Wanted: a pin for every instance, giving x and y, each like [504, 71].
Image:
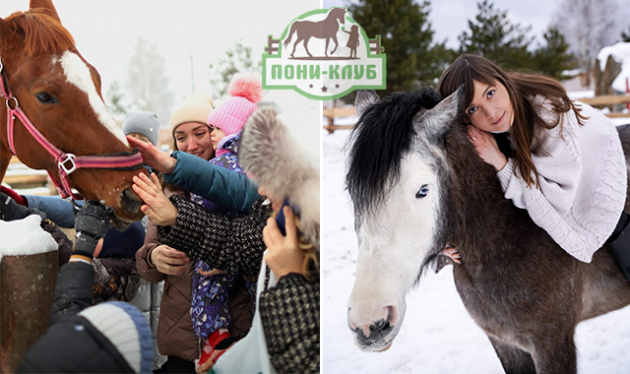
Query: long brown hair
[522, 88]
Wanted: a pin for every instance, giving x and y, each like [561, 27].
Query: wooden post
[331, 125]
[27, 288]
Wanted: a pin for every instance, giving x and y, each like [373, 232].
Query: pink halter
[67, 162]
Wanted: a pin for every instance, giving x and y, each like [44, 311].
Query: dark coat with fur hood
[289, 311]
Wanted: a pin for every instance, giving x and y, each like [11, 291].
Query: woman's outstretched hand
[153, 157]
[284, 254]
[487, 147]
[156, 205]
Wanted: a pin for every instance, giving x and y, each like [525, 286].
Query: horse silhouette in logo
[326, 29]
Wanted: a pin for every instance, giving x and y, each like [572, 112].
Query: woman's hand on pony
[156, 205]
[168, 260]
[153, 157]
[487, 147]
[283, 254]
[453, 253]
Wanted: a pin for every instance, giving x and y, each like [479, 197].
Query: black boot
[619, 244]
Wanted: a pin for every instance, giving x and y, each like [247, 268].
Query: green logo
[324, 54]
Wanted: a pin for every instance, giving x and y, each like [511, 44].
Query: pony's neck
[476, 206]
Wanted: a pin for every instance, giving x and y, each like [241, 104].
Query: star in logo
[324, 89]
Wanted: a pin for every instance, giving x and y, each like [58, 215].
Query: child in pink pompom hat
[209, 310]
[228, 119]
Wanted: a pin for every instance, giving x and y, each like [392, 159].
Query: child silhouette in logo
[353, 40]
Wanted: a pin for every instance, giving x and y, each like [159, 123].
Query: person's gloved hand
[91, 224]
[10, 210]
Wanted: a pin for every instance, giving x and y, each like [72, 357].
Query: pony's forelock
[385, 129]
[43, 33]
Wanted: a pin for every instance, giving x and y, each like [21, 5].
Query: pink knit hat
[246, 92]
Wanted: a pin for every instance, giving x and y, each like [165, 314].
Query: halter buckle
[69, 158]
[15, 100]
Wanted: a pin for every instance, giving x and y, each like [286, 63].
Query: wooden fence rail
[19, 178]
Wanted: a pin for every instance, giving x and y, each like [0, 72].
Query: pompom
[248, 86]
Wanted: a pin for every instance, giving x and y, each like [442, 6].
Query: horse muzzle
[129, 203]
[374, 331]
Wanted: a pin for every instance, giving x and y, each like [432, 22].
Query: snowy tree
[494, 37]
[236, 60]
[588, 26]
[148, 83]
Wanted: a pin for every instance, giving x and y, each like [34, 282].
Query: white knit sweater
[582, 176]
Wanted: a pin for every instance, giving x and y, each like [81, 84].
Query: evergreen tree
[625, 37]
[115, 98]
[407, 38]
[553, 58]
[494, 37]
[237, 59]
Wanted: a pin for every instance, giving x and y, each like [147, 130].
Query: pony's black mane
[382, 135]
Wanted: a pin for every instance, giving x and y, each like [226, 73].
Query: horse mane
[43, 33]
[382, 135]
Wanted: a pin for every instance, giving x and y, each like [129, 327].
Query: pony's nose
[130, 202]
[375, 324]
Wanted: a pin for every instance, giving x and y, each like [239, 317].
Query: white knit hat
[195, 108]
[127, 329]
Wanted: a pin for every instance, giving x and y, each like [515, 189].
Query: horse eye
[423, 192]
[46, 98]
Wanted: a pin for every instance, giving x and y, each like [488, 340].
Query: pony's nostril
[130, 202]
[392, 315]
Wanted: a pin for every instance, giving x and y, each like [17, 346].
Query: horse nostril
[392, 314]
[130, 202]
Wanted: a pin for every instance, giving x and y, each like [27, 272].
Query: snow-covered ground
[438, 335]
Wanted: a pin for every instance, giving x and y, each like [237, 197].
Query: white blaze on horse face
[392, 246]
[78, 73]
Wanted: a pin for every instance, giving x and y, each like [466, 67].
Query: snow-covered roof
[620, 52]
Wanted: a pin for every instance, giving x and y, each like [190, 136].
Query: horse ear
[437, 120]
[45, 4]
[364, 99]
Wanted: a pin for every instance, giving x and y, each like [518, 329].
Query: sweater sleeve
[231, 191]
[290, 318]
[224, 241]
[558, 161]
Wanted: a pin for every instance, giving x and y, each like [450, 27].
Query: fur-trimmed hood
[269, 154]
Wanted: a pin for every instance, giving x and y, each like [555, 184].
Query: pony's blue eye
[46, 98]
[423, 192]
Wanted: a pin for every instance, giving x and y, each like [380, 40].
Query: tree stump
[27, 288]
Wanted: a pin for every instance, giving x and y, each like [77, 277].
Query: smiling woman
[563, 162]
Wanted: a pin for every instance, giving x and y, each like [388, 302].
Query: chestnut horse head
[51, 87]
